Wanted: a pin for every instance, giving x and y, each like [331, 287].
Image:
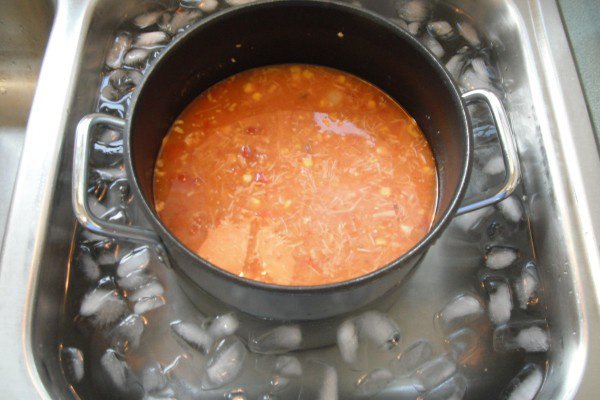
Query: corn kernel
[371, 104]
[254, 202]
[160, 206]
[287, 203]
[248, 88]
[307, 162]
[257, 96]
[385, 191]
[341, 79]
[247, 178]
[177, 129]
[295, 69]
[380, 242]
[307, 74]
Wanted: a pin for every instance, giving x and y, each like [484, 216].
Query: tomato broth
[296, 175]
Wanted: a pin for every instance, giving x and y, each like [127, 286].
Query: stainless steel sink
[24, 30]
[559, 157]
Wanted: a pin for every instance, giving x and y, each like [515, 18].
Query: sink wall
[24, 30]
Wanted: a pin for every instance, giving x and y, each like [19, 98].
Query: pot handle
[79, 184]
[507, 143]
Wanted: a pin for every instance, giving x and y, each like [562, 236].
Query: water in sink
[129, 332]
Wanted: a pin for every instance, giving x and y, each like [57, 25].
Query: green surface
[582, 20]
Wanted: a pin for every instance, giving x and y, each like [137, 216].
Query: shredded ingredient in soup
[296, 175]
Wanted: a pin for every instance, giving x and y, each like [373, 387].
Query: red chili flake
[260, 177]
[253, 130]
[246, 151]
[182, 178]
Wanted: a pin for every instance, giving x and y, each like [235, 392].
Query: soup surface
[296, 175]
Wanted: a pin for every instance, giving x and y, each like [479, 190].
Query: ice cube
[511, 209]
[114, 58]
[526, 287]
[150, 40]
[151, 289]
[532, 339]
[193, 335]
[494, 166]
[441, 29]
[107, 154]
[277, 383]
[347, 339]
[413, 10]
[71, 359]
[135, 261]
[115, 368]
[109, 174]
[467, 31]
[124, 80]
[88, 266]
[500, 304]
[378, 327]
[413, 28]
[329, 386]
[153, 378]
[433, 373]
[461, 310]
[134, 280]
[415, 355]
[481, 69]
[455, 65]
[374, 382]
[499, 257]
[225, 364]
[179, 21]
[453, 389]
[223, 325]
[127, 333]
[146, 304]
[148, 19]
[462, 343]
[434, 46]
[288, 366]
[279, 340]
[207, 6]
[472, 220]
[104, 305]
[471, 80]
[236, 394]
[239, 2]
[136, 57]
[525, 385]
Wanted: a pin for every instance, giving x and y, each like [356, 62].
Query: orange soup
[296, 175]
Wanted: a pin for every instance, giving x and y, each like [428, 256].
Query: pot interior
[307, 32]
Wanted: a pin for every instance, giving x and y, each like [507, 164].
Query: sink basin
[24, 31]
[543, 99]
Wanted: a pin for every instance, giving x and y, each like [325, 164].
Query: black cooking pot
[309, 32]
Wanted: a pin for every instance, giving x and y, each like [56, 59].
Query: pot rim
[421, 246]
